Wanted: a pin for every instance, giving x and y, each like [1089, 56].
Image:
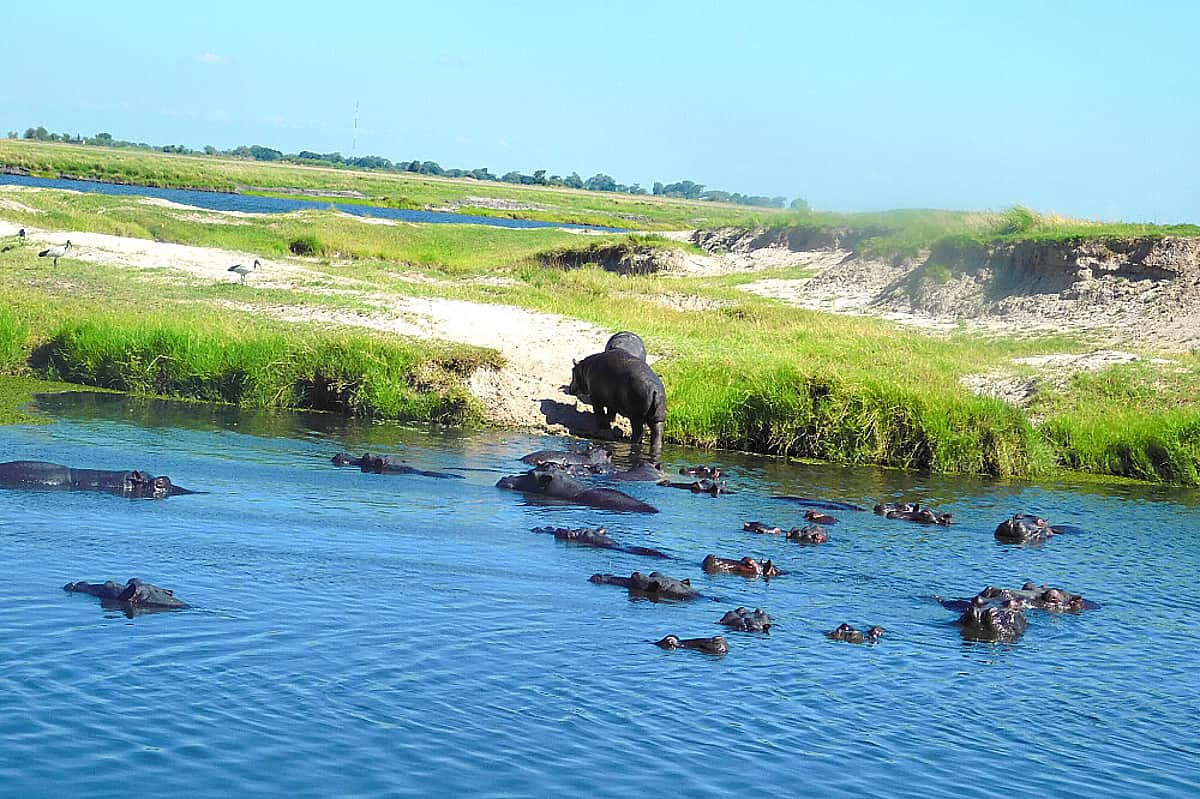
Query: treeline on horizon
[684, 189]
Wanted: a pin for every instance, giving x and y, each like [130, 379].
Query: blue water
[370, 635]
[224, 201]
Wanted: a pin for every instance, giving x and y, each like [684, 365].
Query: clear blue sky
[1082, 108]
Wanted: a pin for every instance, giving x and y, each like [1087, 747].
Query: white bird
[55, 252]
[244, 270]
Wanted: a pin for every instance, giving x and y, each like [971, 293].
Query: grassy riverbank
[742, 371]
[389, 189]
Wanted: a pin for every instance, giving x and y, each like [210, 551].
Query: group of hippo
[616, 381]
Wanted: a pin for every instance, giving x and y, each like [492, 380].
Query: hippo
[578, 461]
[709, 646]
[558, 484]
[642, 471]
[1025, 528]
[628, 342]
[761, 528]
[817, 517]
[385, 464]
[844, 632]
[1030, 595]
[993, 619]
[823, 504]
[596, 537]
[808, 534]
[657, 586]
[616, 382]
[713, 488]
[711, 472]
[912, 512]
[744, 620]
[134, 484]
[746, 567]
[134, 597]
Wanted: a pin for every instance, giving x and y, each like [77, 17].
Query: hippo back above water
[132, 483]
[616, 382]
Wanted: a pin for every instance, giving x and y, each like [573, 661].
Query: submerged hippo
[629, 342]
[616, 382]
[656, 586]
[596, 537]
[555, 483]
[135, 483]
[993, 620]
[1030, 595]
[817, 517]
[579, 461]
[711, 472]
[642, 472]
[844, 632]
[912, 512]
[385, 464]
[824, 504]
[132, 598]
[709, 646]
[808, 534]
[1025, 528]
[744, 620]
[713, 488]
[746, 567]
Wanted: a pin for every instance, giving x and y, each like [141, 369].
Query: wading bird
[244, 270]
[55, 252]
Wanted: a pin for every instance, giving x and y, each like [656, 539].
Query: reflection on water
[377, 635]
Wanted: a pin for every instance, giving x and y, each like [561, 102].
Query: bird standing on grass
[21, 235]
[55, 252]
[244, 270]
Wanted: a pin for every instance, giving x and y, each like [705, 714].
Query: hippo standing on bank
[552, 482]
[616, 382]
[134, 597]
[133, 483]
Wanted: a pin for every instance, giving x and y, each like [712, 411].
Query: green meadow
[742, 372]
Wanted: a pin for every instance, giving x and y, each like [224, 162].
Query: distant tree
[573, 181]
[716, 196]
[104, 139]
[512, 177]
[657, 190]
[210, 150]
[800, 204]
[260, 153]
[600, 182]
[636, 189]
[431, 168]
[371, 162]
[684, 188]
[539, 177]
[414, 166]
[482, 174]
[12, 134]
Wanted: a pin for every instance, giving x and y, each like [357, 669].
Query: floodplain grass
[389, 189]
[750, 373]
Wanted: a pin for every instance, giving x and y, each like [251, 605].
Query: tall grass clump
[779, 409]
[1161, 447]
[347, 373]
[13, 337]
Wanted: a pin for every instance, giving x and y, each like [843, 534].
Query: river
[393, 635]
[249, 203]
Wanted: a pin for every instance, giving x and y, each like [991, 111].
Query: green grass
[749, 374]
